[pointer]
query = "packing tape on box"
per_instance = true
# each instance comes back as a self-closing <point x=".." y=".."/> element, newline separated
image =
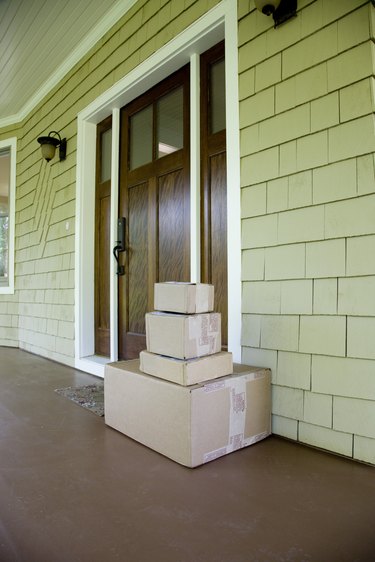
<point x="238" y="405"/>
<point x="237" y="414"/>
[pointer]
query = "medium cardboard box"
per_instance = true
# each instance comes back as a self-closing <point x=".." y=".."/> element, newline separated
<point x="187" y="371"/>
<point x="183" y="336"/>
<point x="185" y="298"/>
<point x="191" y="425"/>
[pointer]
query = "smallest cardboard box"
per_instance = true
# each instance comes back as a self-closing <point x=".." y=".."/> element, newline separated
<point x="185" y="298"/>
<point x="187" y="371"/>
<point x="192" y="425"/>
<point x="183" y="336"/>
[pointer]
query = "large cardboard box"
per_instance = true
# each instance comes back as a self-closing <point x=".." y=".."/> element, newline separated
<point x="187" y="371"/>
<point x="185" y="298"/>
<point x="183" y="336"/>
<point x="192" y="425"/>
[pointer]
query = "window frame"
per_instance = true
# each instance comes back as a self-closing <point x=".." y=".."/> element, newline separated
<point x="10" y="144"/>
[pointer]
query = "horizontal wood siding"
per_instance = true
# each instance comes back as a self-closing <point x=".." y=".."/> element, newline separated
<point x="308" y="229"/>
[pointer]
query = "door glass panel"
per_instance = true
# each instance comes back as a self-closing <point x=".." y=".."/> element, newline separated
<point x="217" y="96"/>
<point x="170" y="124"/>
<point x="141" y="138"/>
<point x="4" y="214"/>
<point x="106" y="150"/>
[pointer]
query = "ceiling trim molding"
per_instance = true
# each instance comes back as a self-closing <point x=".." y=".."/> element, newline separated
<point x="10" y="120"/>
<point x="105" y="24"/>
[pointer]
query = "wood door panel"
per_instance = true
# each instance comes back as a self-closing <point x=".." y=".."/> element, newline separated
<point x="102" y="324"/>
<point x="171" y="228"/>
<point x="103" y="242"/>
<point x="137" y="258"/>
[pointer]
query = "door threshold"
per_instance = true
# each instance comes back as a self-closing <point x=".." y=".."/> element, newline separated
<point x="93" y="364"/>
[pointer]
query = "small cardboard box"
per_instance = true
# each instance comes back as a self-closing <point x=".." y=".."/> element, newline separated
<point x="192" y="425"/>
<point x="187" y="371"/>
<point x="183" y="336"/>
<point x="185" y="298"/>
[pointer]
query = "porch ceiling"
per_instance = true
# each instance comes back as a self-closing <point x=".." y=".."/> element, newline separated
<point x="40" y="40"/>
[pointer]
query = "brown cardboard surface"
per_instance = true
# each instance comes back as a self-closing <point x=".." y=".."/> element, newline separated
<point x="210" y="423"/>
<point x="183" y="336"/>
<point x="194" y="424"/>
<point x="187" y="371"/>
<point x="139" y="406"/>
<point x="258" y="407"/>
<point x="186" y="298"/>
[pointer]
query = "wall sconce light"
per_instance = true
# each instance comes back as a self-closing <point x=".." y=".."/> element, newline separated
<point x="281" y="10"/>
<point x="49" y="145"/>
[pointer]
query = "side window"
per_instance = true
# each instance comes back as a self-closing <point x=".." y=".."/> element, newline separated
<point x="7" y="213"/>
<point x="103" y="252"/>
<point x="216" y="93"/>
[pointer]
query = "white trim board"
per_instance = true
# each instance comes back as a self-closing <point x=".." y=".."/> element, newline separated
<point x="195" y="170"/>
<point x="218" y="23"/>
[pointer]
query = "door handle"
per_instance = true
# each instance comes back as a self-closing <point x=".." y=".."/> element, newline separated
<point x="120" y="244"/>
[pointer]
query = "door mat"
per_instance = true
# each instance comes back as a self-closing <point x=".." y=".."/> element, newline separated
<point x="90" y="396"/>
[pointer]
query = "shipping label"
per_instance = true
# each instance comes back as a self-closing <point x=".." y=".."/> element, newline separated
<point x="213" y="386"/>
<point x="204" y="338"/>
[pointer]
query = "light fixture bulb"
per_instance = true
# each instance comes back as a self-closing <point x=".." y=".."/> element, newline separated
<point x="48" y="151"/>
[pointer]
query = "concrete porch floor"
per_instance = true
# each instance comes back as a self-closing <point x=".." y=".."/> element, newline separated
<point x="74" y="490"/>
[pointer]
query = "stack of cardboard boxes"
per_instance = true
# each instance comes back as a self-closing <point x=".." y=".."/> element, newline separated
<point x="184" y="397"/>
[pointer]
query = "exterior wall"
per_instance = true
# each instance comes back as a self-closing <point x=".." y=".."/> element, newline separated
<point x="40" y="316"/>
<point x="308" y="228"/>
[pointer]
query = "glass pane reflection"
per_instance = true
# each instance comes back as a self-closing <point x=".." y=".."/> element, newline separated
<point x="217" y="96"/>
<point x="141" y="138"/>
<point x="170" y="123"/>
<point x="106" y="141"/>
<point x="4" y="214"/>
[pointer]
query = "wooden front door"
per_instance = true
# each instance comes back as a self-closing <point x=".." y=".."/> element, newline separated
<point x="155" y="201"/>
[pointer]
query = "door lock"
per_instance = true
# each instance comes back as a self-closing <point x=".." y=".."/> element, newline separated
<point x="120" y="244"/>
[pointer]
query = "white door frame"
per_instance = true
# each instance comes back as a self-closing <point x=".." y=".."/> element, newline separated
<point x="217" y="24"/>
